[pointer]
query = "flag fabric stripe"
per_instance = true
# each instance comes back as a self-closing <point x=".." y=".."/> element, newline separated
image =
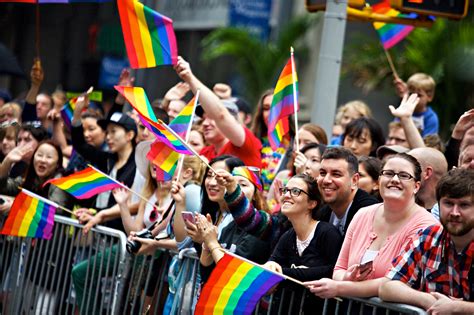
<point x="138" y="99"/>
<point x="149" y="36"/>
<point x="283" y="104"/>
<point x="391" y="34"/>
<point x="163" y="156"/>
<point x="30" y="217"/>
<point x="67" y="112"/>
<point x="234" y="287"/>
<point x="85" y="184"/>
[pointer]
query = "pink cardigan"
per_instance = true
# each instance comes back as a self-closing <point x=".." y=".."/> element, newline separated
<point x="360" y="235"/>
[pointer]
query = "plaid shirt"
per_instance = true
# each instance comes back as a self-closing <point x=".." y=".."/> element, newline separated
<point x="430" y="263"/>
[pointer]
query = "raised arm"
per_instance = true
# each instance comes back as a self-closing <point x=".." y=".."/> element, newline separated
<point x="37" y="76"/>
<point x="404" y="113"/>
<point x="212" y="105"/>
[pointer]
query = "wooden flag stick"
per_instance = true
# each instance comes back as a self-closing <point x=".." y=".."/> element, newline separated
<point x="37" y="30"/>
<point x="181" y="158"/>
<point x="390" y="62"/>
<point x="124" y="186"/>
<point x="295" y="98"/>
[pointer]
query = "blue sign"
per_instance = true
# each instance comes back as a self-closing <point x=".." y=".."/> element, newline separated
<point x="110" y="69"/>
<point x="254" y="15"/>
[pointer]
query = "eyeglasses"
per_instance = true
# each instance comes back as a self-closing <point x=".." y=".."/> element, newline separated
<point x="9" y="123"/>
<point x="401" y="175"/>
<point x="34" y="124"/>
<point x="294" y="192"/>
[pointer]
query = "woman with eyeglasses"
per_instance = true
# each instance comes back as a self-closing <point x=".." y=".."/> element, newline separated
<point x="377" y="233"/>
<point x="309" y="249"/>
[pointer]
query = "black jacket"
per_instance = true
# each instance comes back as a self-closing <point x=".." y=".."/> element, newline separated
<point x="105" y="162"/>
<point x="361" y="199"/>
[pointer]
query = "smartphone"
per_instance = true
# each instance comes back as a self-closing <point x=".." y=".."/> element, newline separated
<point x="366" y="265"/>
<point x="188" y="217"/>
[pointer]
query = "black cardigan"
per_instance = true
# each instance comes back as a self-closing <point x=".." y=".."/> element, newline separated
<point x="319" y="257"/>
<point x="105" y="162"/>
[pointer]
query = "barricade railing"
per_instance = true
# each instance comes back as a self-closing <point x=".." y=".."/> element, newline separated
<point x="92" y="274"/>
<point x="35" y="274"/>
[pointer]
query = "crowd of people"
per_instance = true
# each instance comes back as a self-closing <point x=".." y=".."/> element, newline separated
<point x="355" y="213"/>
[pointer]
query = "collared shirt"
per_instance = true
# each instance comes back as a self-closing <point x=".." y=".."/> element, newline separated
<point x="430" y="263"/>
<point x="340" y="223"/>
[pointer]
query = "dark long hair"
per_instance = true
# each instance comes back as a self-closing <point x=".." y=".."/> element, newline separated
<point x="208" y="206"/>
<point x="32" y="182"/>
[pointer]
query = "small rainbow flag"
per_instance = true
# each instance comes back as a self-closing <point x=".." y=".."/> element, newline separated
<point x="181" y="122"/>
<point x="68" y="111"/>
<point x="250" y="173"/>
<point x="30" y="216"/>
<point x="54" y="1"/>
<point x="149" y="36"/>
<point x="163" y="156"/>
<point x="282" y="104"/>
<point x="391" y="34"/>
<point x="86" y="183"/>
<point x="136" y="96"/>
<point x="234" y="287"/>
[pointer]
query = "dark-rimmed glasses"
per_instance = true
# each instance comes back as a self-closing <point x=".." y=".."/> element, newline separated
<point x="401" y="175"/>
<point x="294" y="192"/>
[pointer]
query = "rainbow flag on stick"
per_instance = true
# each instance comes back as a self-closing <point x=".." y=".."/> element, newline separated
<point x="30" y="216"/>
<point x="284" y="104"/>
<point x="391" y="34"/>
<point x="67" y="112"/>
<point x="86" y="183"/>
<point x="163" y="156"/>
<point x="149" y="36"/>
<point x="235" y="286"/>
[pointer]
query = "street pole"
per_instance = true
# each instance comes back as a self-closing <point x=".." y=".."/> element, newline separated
<point x="329" y="65"/>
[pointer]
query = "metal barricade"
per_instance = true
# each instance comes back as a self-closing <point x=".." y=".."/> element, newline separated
<point x="35" y="274"/>
<point x="38" y="277"/>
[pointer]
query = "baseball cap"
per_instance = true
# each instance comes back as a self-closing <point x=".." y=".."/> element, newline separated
<point x="120" y="119"/>
<point x="390" y="149"/>
<point x="229" y="104"/>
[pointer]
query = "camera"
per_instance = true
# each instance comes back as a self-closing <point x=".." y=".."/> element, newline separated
<point x="2" y="201"/>
<point x="133" y="246"/>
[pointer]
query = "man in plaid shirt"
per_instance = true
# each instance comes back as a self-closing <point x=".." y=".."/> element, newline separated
<point x="435" y="271"/>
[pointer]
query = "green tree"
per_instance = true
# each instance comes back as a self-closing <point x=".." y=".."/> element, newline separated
<point x="258" y="63"/>
<point x="445" y="51"/>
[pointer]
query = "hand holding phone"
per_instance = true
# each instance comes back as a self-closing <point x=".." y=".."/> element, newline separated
<point x="188" y="217"/>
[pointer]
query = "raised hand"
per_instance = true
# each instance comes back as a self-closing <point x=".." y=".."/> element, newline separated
<point x="400" y="86"/>
<point x="20" y="152"/>
<point x="183" y="69"/>
<point x="121" y="195"/>
<point x="407" y="106"/>
<point x="178" y="193"/>
<point x="125" y="79"/>
<point x="222" y="90"/>
<point x="226" y="180"/>
<point x="465" y="122"/>
<point x="178" y="91"/>
<point x="36" y="73"/>
<point x="300" y="162"/>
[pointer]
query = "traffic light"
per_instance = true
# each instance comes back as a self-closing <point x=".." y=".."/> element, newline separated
<point x="454" y="9"/>
<point x="319" y="5"/>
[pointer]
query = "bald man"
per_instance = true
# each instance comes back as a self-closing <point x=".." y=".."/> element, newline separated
<point x="434" y="166"/>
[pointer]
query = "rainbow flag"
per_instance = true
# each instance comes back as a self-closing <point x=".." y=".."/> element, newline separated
<point x="181" y="122"/>
<point x="68" y="111"/>
<point x="136" y="96"/>
<point x="163" y="156"/>
<point x="86" y="183"/>
<point x="234" y="287"/>
<point x="149" y="36"/>
<point x="391" y="34"/>
<point x="30" y="216"/>
<point x="282" y="104"/>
